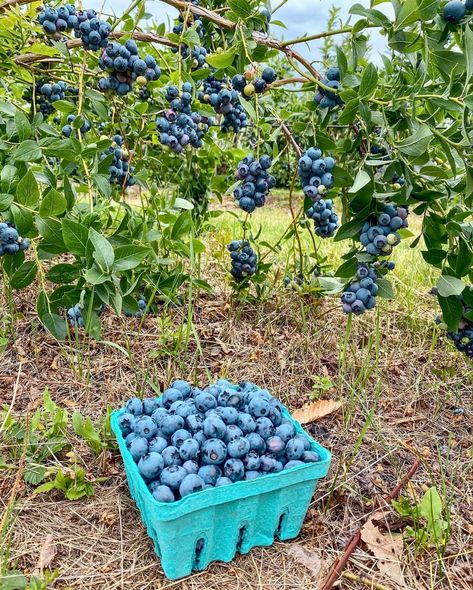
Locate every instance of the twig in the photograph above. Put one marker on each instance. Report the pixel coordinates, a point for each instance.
(341, 561)
(365, 580)
(291, 139)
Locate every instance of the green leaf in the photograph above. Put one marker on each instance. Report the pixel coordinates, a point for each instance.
(23, 219)
(27, 190)
(385, 289)
(452, 311)
(407, 15)
(103, 251)
(24, 275)
(5, 201)
(95, 276)
(369, 81)
(349, 112)
(22, 125)
(349, 229)
(468, 40)
(128, 257)
(8, 178)
(417, 143)
(427, 8)
(76, 236)
(362, 179)
(221, 60)
(53, 204)
(27, 151)
(55, 324)
(103, 184)
(448, 286)
(63, 273)
(241, 8)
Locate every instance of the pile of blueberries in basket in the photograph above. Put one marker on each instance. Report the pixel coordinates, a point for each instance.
(192, 439)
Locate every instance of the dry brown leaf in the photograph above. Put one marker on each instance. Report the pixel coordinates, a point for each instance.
(319, 409)
(386, 548)
(46, 555)
(307, 558)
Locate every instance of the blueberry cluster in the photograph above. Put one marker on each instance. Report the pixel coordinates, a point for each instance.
(67, 129)
(377, 150)
(226, 102)
(92, 31)
(398, 182)
(380, 236)
(181, 127)
(360, 295)
(317, 179)
(256, 86)
(124, 65)
(256, 182)
(463, 339)
(120, 171)
(192, 18)
(328, 99)
(324, 217)
(142, 303)
(194, 439)
(58, 20)
(244, 259)
(455, 10)
(74, 315)
(47, 93)
(10, 240)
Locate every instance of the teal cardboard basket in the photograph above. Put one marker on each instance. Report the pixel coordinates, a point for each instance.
(215, 524)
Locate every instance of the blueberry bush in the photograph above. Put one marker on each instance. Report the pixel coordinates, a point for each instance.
(95, 108)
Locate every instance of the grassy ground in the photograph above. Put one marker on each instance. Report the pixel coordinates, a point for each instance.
(405, 394)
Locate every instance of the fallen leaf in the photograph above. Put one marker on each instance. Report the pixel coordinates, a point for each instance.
(307, 558)
(223, 346)
(46, 555)
(319, 409)
(386, 548)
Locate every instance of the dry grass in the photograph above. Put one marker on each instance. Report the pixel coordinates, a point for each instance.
(403, 389)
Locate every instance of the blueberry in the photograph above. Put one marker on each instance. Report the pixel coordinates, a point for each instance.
(275, 445)
(310, 457)
(173, 476)
(171, 456)
(257, 442)
(178, 438)
(150, 404)
(171, 395)
(285, 431)
(265, 428)
(169, 424)
(191, 466)
(293, 463)
(157, 444)
(228, 414)
(210, 473)
(163, 494)
(294, 448)
(138, 448)
(233, 432)
(251, 475)
(126, 422)
(238, 448)
(200, 437)
(223, 481)
(194, 423)
(246, 422)
(205, 401)
(134, 406)
(454, 11)
(214, 451)
(150, 465)
(259, 407)
(158, 415)
(214, 427)
(129, 438)
(267, 463)
(190, 484)
(189, 449)
(251, 461)
(234, 469)
(145, 426)
(182, 386)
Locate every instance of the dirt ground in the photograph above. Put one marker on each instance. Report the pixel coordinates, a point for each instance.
(401, 400)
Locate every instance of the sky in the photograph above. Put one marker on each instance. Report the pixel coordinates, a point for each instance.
(300, 17)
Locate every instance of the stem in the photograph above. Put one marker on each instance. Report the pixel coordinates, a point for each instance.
(323, 35)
